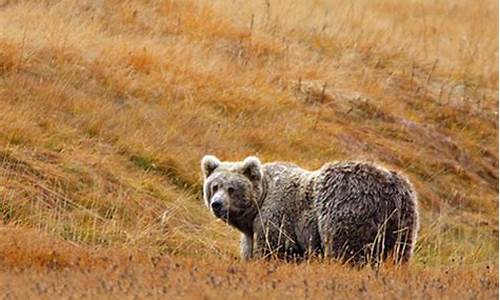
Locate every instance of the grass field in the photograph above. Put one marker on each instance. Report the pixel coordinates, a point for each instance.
(106, 108)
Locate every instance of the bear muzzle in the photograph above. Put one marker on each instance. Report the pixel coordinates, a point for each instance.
(217, 206)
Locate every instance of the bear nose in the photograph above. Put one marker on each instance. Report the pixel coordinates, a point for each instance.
(216, 205)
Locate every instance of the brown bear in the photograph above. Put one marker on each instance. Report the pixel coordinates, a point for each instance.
(352, 211)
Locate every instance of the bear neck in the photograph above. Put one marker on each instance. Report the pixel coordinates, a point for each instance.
(264, 189)
(244, 223)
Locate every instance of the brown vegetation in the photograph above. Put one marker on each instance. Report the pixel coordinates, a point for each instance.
(106, 108)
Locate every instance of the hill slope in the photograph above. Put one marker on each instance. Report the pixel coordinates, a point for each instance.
(106, 108)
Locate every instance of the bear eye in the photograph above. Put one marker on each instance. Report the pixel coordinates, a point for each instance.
(230, 190)
(215, 187)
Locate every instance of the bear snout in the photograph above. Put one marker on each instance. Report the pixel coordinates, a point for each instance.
(216, 205)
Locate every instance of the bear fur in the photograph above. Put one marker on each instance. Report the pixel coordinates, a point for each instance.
(352, 211)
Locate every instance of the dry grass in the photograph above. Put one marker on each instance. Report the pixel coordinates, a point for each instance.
(106, 108)
(55, 269)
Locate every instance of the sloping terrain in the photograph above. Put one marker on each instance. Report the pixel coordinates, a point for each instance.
(106, 108)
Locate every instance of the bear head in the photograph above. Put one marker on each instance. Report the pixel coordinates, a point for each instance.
(232, 190)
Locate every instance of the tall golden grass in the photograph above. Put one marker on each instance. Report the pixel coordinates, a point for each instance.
(106, 108)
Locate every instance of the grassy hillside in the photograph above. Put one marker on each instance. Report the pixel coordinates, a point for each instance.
(106, 108)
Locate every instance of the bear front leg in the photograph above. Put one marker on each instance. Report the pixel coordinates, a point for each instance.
(263, 245)
(274, 241)
(246, 246)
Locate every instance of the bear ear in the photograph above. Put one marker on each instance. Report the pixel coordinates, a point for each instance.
(208, 164)
(251, 168)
